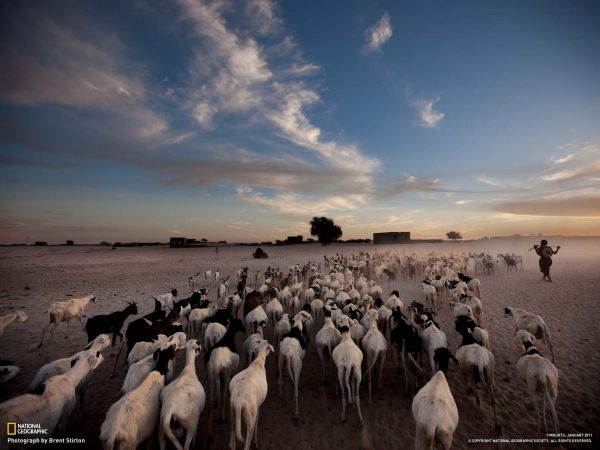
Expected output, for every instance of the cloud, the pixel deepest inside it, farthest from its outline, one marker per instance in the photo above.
(301, 205)
(463, 202)
(584, 206)
(590, 169)
(378, 34)
(486, 180)
(563, 159)
(81, 69)
(428, 117)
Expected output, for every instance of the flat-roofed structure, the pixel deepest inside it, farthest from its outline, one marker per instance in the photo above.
(392, 237)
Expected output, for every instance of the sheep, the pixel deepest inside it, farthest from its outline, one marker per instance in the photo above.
(282, 328)
(327, 339)
(64, 312)
(291, 354)
(7, 319)
(254, 317)
(221, 361)
(541, 377)
(532, 323)
(142, 349)
(52, 403)
(248, 392)
(132, 419)
(435, 413)
(213, 334)
(139, 370)
(60, 366)
(375, 347)
(109, 323)
(182, 401)
(347, 357)
(477, 364)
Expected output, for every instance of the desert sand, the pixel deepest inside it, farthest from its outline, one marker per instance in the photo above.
(568, 305)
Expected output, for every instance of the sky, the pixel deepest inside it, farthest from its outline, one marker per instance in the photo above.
(240, 121)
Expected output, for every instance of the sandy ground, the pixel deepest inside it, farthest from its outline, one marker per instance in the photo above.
(568, 305)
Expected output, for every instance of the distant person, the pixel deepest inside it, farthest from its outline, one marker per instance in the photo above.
(545, 252)
(217, 250)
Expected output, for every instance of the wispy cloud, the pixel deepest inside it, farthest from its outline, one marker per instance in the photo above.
(378, 34)
(563, 159)
(427, 115)
(487, 180)
(587, 206)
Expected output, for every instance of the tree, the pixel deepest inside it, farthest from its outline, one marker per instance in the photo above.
(454, 235)
(325, 229)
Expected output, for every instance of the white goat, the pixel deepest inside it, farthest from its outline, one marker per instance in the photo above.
(138, 371)
(248, 392)
(541, 377)
(326, 340)
(254, 317)
(477, 364)
(347, 357)
(291, 354)
(142, 349)
(213, 334)
(64, 312)
(133, 418)
(7, 319)
(282, 328)
(435, 414)
(532, 323)
(252, 343)
(375, 347)
(63, 365)
(52, 403)
(182, 401)
(274, 310)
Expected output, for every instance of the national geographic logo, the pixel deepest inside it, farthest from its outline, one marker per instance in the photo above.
(22, 429)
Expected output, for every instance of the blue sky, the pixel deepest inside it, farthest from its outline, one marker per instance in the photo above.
(242, 120)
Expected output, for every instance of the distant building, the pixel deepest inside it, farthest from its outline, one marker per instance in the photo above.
(177, 242)
(294, 239)
(392, 237)
(40, 243)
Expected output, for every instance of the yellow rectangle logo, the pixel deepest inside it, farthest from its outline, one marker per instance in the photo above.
(11, 426)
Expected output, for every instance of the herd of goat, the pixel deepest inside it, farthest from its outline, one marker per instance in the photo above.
(337, 304)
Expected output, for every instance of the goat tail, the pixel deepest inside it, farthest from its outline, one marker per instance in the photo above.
(238, 422)
(166, 427)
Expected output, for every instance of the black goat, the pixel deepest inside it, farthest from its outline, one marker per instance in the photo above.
(405, 337)
(109, 323)
(224, 316)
